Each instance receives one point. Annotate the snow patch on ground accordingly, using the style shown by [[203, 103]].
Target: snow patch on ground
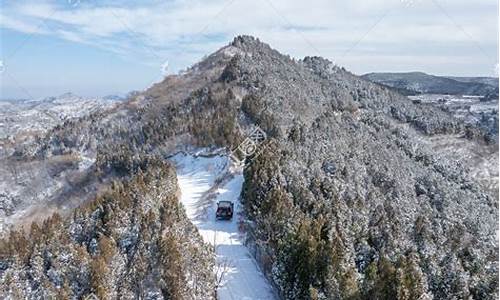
[[204, 181]]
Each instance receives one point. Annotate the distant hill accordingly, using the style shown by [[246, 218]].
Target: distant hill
[[419, 82], [493, 81], [22, 119]]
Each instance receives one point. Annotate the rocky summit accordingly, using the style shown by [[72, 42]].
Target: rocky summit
[[345, 198]]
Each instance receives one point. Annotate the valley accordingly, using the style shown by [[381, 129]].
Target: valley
[[22, 120], [204, 181], [358, 193]]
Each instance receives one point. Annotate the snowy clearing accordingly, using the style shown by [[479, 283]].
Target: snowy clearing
[[203, 182]]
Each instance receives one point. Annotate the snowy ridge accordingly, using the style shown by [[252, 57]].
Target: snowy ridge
[[203, 182], [39, 115]]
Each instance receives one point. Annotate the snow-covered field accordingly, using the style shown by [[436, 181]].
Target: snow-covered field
[[471, 109], [203, 182], [21, 120]]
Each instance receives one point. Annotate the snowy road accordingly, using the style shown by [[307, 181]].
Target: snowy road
[[204, 181]]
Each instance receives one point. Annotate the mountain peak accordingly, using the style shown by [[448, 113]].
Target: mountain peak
[[249, 43], [244, 39]]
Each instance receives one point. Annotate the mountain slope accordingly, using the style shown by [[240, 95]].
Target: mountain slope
[[132, 241], [358, 191], [22, 120], [344, 201], [493, 81], [418, 82]]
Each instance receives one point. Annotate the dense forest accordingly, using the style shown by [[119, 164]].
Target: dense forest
[[345, 203], [131, 242]]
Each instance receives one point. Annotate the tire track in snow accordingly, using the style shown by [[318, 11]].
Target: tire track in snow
[[200, 178]]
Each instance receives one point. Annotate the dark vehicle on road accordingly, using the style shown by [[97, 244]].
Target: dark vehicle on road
[[225, 210]]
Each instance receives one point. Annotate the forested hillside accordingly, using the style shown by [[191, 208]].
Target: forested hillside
[[131, 242], [344, 201]]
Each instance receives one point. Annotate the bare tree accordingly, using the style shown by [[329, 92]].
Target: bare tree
[[222, 267]]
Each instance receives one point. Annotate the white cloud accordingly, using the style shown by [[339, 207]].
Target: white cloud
[[332, 27], [21, 26]]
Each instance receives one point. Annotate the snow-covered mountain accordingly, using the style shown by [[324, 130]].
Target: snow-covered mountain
[[23, 190], [418, 82], [344, 197], [23, 120]]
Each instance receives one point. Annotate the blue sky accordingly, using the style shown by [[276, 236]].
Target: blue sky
[[101, 47]]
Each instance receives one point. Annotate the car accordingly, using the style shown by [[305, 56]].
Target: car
[[225, 210]]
